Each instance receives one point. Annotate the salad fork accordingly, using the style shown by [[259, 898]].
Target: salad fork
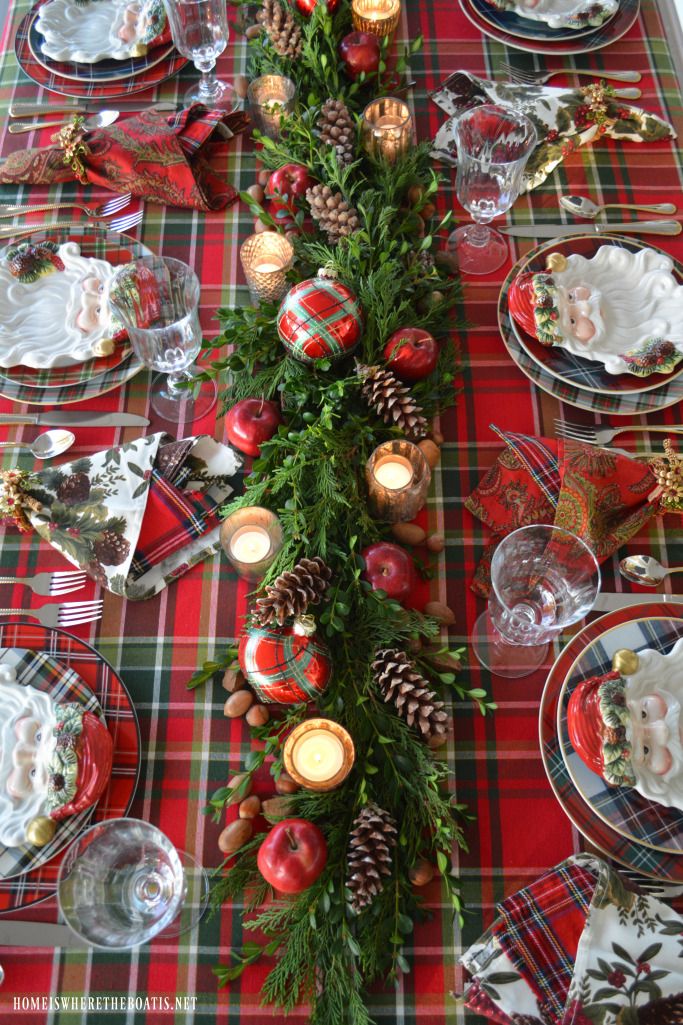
[[603, 435], [69, 613], [51, 584], [523, 77], [119, 224], [112, 206]]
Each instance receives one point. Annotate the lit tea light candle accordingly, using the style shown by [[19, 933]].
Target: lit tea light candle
[[397, 476], [318, 754], [250, 544], [267, 268], [266, 258], [251, 538], [387, 128], [394, 472], [270, 98], [378, 17]]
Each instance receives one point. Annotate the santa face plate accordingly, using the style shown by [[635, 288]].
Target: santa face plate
[[618, 308], [88, 31], [561, 14]]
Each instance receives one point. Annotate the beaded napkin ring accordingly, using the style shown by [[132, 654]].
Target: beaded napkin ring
[[70, 139], [667, 470], [14, 500]]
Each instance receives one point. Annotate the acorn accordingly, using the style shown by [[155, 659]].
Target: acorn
[[253, 31], [276, 808], [233, 680], [439, 611], [40, 830], [235, 781], [409, 533], [259, 226], [263, 177], [438, 740], [437, 436], [430, 450], [415, 194], [241, 85], [284, 784], [257, 193], [447, 261], [238, 703], [235, 836], [436, 542], [414, 645], [258, 715], [421, 873], [428, 211], [249, 807]]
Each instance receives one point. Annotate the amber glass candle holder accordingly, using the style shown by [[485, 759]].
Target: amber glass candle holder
[[398, 477], [271, 97], [266, 258], [387, 128], [319, 754], [251, 539], [378, 17]]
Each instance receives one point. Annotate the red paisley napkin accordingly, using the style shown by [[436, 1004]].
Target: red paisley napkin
[[599, 495], [167, 160]]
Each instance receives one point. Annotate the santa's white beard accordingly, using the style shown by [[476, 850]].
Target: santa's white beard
[[668, 788], [16, 702]]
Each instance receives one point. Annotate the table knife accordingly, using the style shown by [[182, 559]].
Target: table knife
[[75, 418], [33, 109], [607, 602], [38, 934], [559, 230]]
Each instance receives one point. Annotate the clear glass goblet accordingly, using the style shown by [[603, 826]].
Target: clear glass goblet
[[157, 300], [543, 579], [122, 882], [494, 144], [200, 32]]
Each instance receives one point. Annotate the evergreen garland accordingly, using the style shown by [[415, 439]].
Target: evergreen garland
[[311, 474]]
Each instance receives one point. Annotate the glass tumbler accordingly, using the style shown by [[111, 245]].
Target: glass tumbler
[[122, 882], [494, 144], [543, 579], [157, 300], [200, 33]]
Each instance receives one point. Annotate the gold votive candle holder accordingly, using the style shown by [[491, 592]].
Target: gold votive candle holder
[[251, 539], [398, 478], [387, 128], [377, 17], [266, 258], [319, 754], [271, 97]]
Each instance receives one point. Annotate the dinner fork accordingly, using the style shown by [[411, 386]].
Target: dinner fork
[[61, 582], [654, 887], [603, 435], [119, 224], [523, 77], [69, 613], [112, 206]]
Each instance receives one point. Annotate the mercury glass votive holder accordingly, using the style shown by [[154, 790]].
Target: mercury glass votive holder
[[319, 754], [398, 478], [378, 17], [266, 258], [251, 539], [387, 128], [271, 97]]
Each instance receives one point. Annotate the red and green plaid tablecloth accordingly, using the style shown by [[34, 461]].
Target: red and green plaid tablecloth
[[189, 748]]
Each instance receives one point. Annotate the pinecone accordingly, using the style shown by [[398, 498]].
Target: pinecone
[[664, 1009], [281, 26], [294, 591], [74, 489], [400, 683], [332, 212], [423, 260], [392, 401], [111, 549], [337, 128], [369, 857]]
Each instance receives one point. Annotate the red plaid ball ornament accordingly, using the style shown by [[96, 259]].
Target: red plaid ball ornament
[[319, 319], [284, 664]]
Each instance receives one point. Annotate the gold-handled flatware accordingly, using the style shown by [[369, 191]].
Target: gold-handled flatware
[[582, 206], [101, 120], [523, 77], [112, 206], [119, 224], [36, 109]]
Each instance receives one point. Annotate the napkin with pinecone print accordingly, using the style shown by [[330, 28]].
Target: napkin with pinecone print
[[137, 516]]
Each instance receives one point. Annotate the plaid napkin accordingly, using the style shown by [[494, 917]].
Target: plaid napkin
[[161, 158], [578, 948], [565, 119], [599, 495]]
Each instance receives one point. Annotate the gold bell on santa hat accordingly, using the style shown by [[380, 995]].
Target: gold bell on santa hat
[[40, 830], [555, 263], [625, 662], [667, 470]]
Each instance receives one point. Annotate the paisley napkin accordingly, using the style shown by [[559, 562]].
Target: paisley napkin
[[163, 159], [578, 948], [565, 119], [599, 495]]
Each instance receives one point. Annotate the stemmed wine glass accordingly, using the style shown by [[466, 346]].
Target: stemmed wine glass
[[494, 144], [200, 32], [543, 579], [122, 882], [157, 300]]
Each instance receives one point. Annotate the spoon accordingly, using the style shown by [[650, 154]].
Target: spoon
[[101, 120], [645, 570], [580, 206], [46, 445]]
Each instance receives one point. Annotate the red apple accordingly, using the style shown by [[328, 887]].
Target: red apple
[[359, 52], [306, 7], [411, 353], [251, 422], [288, 184], [389, 568], [292, 856]]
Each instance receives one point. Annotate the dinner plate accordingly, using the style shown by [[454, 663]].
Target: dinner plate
[[589, 375], [622, 808], [615, 404], [60, 385], [91, 31], [608, 33], [645, 860], [527, 28], [99, 676]]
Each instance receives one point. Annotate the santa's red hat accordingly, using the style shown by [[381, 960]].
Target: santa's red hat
[[95, 751], [597, 716]]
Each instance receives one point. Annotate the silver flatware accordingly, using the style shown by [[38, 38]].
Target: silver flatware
[[603, 435], [69, 613], [38, 934], [123, 223], [581, 206], [660, 888], [45, 446], [609, 602], [524, 77], [51, 584], [560, 230], [75, 418], [35, 109], [101, 120], [645, 570], [112, 206]]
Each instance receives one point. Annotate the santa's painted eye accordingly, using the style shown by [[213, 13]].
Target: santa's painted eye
[[572, 322], [643, 714], [32, 773], [646, 750], [39, 736]]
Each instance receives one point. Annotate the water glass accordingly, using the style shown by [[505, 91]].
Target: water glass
[[122, 882], [157, 300], [200, 33], [543, 579], [494, 144]]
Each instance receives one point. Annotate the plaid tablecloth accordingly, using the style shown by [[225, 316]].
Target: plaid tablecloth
[[189, 748]]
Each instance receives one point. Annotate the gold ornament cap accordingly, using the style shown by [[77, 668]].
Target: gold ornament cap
[[625, 662], [555, 262], [40, 830]]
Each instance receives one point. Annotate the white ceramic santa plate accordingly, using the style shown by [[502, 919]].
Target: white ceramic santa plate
[[87, 31], [560, 14]]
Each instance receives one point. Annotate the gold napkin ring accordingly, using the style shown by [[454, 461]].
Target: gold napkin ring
[[667, 470], [14, 501], [70, 139]]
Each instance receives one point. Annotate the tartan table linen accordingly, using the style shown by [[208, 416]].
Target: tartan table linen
[[189, 747]]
